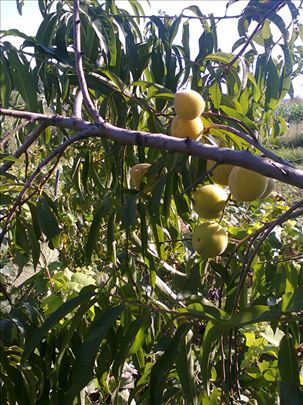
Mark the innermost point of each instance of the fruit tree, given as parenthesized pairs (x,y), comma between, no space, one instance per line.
(151,236)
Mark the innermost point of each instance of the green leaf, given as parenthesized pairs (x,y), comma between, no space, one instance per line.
(186,372)
(94,230)
(289,372)
(71,328)
(47,220)
(207,310)
(215,329)
(215,94)
(292,301)
(65,309)
(163,364)
(47,28)
(236,114)
(272,92)
(5,82)
(104,29)
(140,336)
(124,347)
(194,9)
(20,4)
(35,248)
(129,210)
(83,368)
(23,79)
(221,57)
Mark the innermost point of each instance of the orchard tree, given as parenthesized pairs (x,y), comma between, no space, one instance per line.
(128,276)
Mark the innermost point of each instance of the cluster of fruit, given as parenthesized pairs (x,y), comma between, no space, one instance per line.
(209,239)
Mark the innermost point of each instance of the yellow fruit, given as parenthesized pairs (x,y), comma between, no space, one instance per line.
(246,185)
(181,128)
(209,239)
(188,104)
(209,201)
(137,173)
(270,187)
(221,173)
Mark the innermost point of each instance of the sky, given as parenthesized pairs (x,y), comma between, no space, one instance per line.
(227,29)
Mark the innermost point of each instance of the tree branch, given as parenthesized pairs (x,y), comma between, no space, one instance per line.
(164,142)
(14,130)
(53,120)
(293,212)
(79,64)
(226,117)
(254,142)
(244,158)
(276,6)
(171,17)
(78,105)
(24,147)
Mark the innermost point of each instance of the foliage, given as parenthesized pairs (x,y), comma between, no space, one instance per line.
(118,308)
(291,111)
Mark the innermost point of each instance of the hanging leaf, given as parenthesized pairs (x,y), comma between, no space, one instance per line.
(163,364)
(82,372)
(46,219)
(94,230)
(289,372)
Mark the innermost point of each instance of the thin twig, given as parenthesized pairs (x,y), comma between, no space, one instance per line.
(79,64)
(249,39)
(14,130)
(53,120)
(292,212)
(5,293)
(56,187)
(254,142)
(24,147)
(297,257)
(226,117)
(224,208)
(171,17)
(26,165)
(198,180)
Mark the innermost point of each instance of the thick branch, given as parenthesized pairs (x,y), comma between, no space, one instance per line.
(246,159)
(164,142)
(78,105)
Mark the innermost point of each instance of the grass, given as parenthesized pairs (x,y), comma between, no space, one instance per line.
(293,155)
(290,145)
(293,137)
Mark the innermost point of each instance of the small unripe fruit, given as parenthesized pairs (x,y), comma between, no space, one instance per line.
(188,104)
(220,174)
(181,128)
(209,239)
(137,173)
(209,201)
(246,185)
(270,187)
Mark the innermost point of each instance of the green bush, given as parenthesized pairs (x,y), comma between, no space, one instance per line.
(291,111)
